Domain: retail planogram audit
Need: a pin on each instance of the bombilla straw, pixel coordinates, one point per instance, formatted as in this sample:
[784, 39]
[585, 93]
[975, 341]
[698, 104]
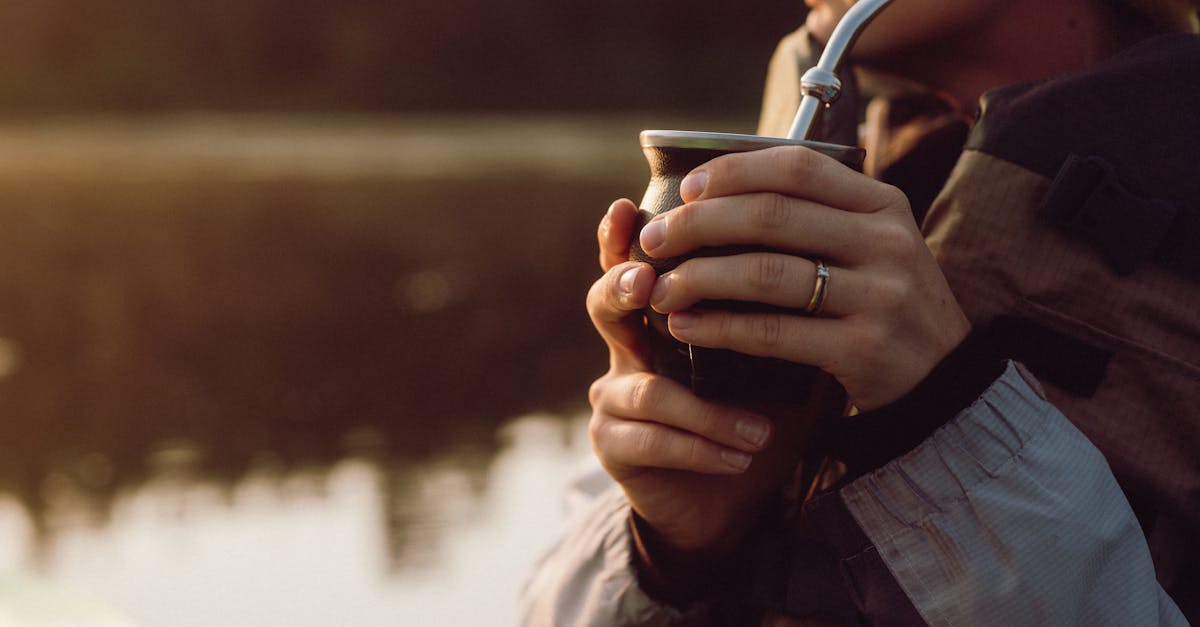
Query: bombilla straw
[819, 85]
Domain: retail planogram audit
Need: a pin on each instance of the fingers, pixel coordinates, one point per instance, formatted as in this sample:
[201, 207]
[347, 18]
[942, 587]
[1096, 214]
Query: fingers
[794, 171]
[632, 444]
[889, 314]
[815, 341]
[876, 358]
[643, 420]
[791, 199]
[615, 303]
[773, 279]
[615, 233]
[778, 222]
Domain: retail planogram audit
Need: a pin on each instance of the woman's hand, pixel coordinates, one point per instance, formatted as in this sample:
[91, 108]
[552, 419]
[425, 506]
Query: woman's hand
[695, 470]
[889, 316]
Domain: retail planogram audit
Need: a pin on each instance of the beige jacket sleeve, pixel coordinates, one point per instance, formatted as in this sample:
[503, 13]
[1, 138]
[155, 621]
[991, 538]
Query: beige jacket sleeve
[586, 577]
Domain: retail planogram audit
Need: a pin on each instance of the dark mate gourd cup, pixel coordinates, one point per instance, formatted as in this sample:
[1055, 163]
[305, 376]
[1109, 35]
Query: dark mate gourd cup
[716, 374]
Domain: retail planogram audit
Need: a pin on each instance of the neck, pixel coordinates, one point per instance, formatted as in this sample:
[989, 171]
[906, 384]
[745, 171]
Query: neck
[1028, 40]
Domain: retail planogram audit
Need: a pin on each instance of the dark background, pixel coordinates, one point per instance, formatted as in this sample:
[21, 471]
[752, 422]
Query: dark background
[384, 55]
[170, 307]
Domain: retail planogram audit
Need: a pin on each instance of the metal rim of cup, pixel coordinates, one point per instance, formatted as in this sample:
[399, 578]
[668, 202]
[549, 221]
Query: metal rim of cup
[733, 142]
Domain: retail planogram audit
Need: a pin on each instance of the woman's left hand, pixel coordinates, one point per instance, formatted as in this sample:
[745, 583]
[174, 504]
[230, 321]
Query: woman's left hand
[888, 317]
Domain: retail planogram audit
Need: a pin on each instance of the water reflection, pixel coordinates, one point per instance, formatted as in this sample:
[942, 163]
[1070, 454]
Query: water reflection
[309, 547]
[245, 387]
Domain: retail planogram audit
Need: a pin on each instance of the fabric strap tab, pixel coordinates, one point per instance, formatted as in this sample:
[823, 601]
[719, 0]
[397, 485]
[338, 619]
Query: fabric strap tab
[1087, 200]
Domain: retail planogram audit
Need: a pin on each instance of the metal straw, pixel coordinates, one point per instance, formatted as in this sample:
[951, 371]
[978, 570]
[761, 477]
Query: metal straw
[819, 85]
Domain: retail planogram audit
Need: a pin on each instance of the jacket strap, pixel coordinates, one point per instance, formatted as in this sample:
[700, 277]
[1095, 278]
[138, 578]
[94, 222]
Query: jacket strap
[1088, 200]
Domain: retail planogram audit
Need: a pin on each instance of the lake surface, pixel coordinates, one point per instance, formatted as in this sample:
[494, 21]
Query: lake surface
[295, 371]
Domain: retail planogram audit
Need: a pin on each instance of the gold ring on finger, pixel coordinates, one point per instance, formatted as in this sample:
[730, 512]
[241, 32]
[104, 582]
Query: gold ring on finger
[819, 289]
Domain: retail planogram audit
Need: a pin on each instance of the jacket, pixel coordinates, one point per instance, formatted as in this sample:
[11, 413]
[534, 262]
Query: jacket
[1067, 228]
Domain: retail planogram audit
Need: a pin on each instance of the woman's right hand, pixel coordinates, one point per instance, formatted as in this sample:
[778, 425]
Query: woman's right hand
[696, 471]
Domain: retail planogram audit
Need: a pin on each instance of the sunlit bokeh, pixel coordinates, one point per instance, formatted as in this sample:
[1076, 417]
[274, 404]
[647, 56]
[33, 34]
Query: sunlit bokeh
[291, 294]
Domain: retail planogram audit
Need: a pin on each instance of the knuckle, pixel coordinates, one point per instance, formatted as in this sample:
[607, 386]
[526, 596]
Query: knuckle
[708, 421]
[896, 241]
[684, 277]
[722, 327]
[605, 298]
[598, 294]
[683, 219]
[803, 164]
[598, 430]
[649, 443]
[593, 299]
[767, 272]
[696, 453]
[647, 393]
[596, 392]
[892, 196]
[869, 340]
[767, 332]
[612, 278]
[891, 294]
[723, 168]
[883, 196]
[770, 213]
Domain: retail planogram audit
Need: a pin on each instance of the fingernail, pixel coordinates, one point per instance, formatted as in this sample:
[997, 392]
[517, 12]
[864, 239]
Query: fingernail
[683, 320]
[653, 235]
[693, 185]
[752, 431]
[659, 293]
[627, 282]
[736, 459]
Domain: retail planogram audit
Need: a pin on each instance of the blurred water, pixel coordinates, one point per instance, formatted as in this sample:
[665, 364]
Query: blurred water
[312, 547]
[266, 371]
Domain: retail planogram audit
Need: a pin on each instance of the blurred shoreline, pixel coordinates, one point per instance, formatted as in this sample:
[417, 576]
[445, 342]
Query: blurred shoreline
[205, 304]
[292, 325]
[253, 147]
[229, 287]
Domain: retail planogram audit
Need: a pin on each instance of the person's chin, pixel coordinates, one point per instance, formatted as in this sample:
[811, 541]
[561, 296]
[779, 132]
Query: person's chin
[821, 21]
[823, 16]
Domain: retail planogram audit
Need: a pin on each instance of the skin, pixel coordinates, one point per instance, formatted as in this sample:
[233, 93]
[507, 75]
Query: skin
[683, 462]
[965, 47]
[889, 320]
[695, 470]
